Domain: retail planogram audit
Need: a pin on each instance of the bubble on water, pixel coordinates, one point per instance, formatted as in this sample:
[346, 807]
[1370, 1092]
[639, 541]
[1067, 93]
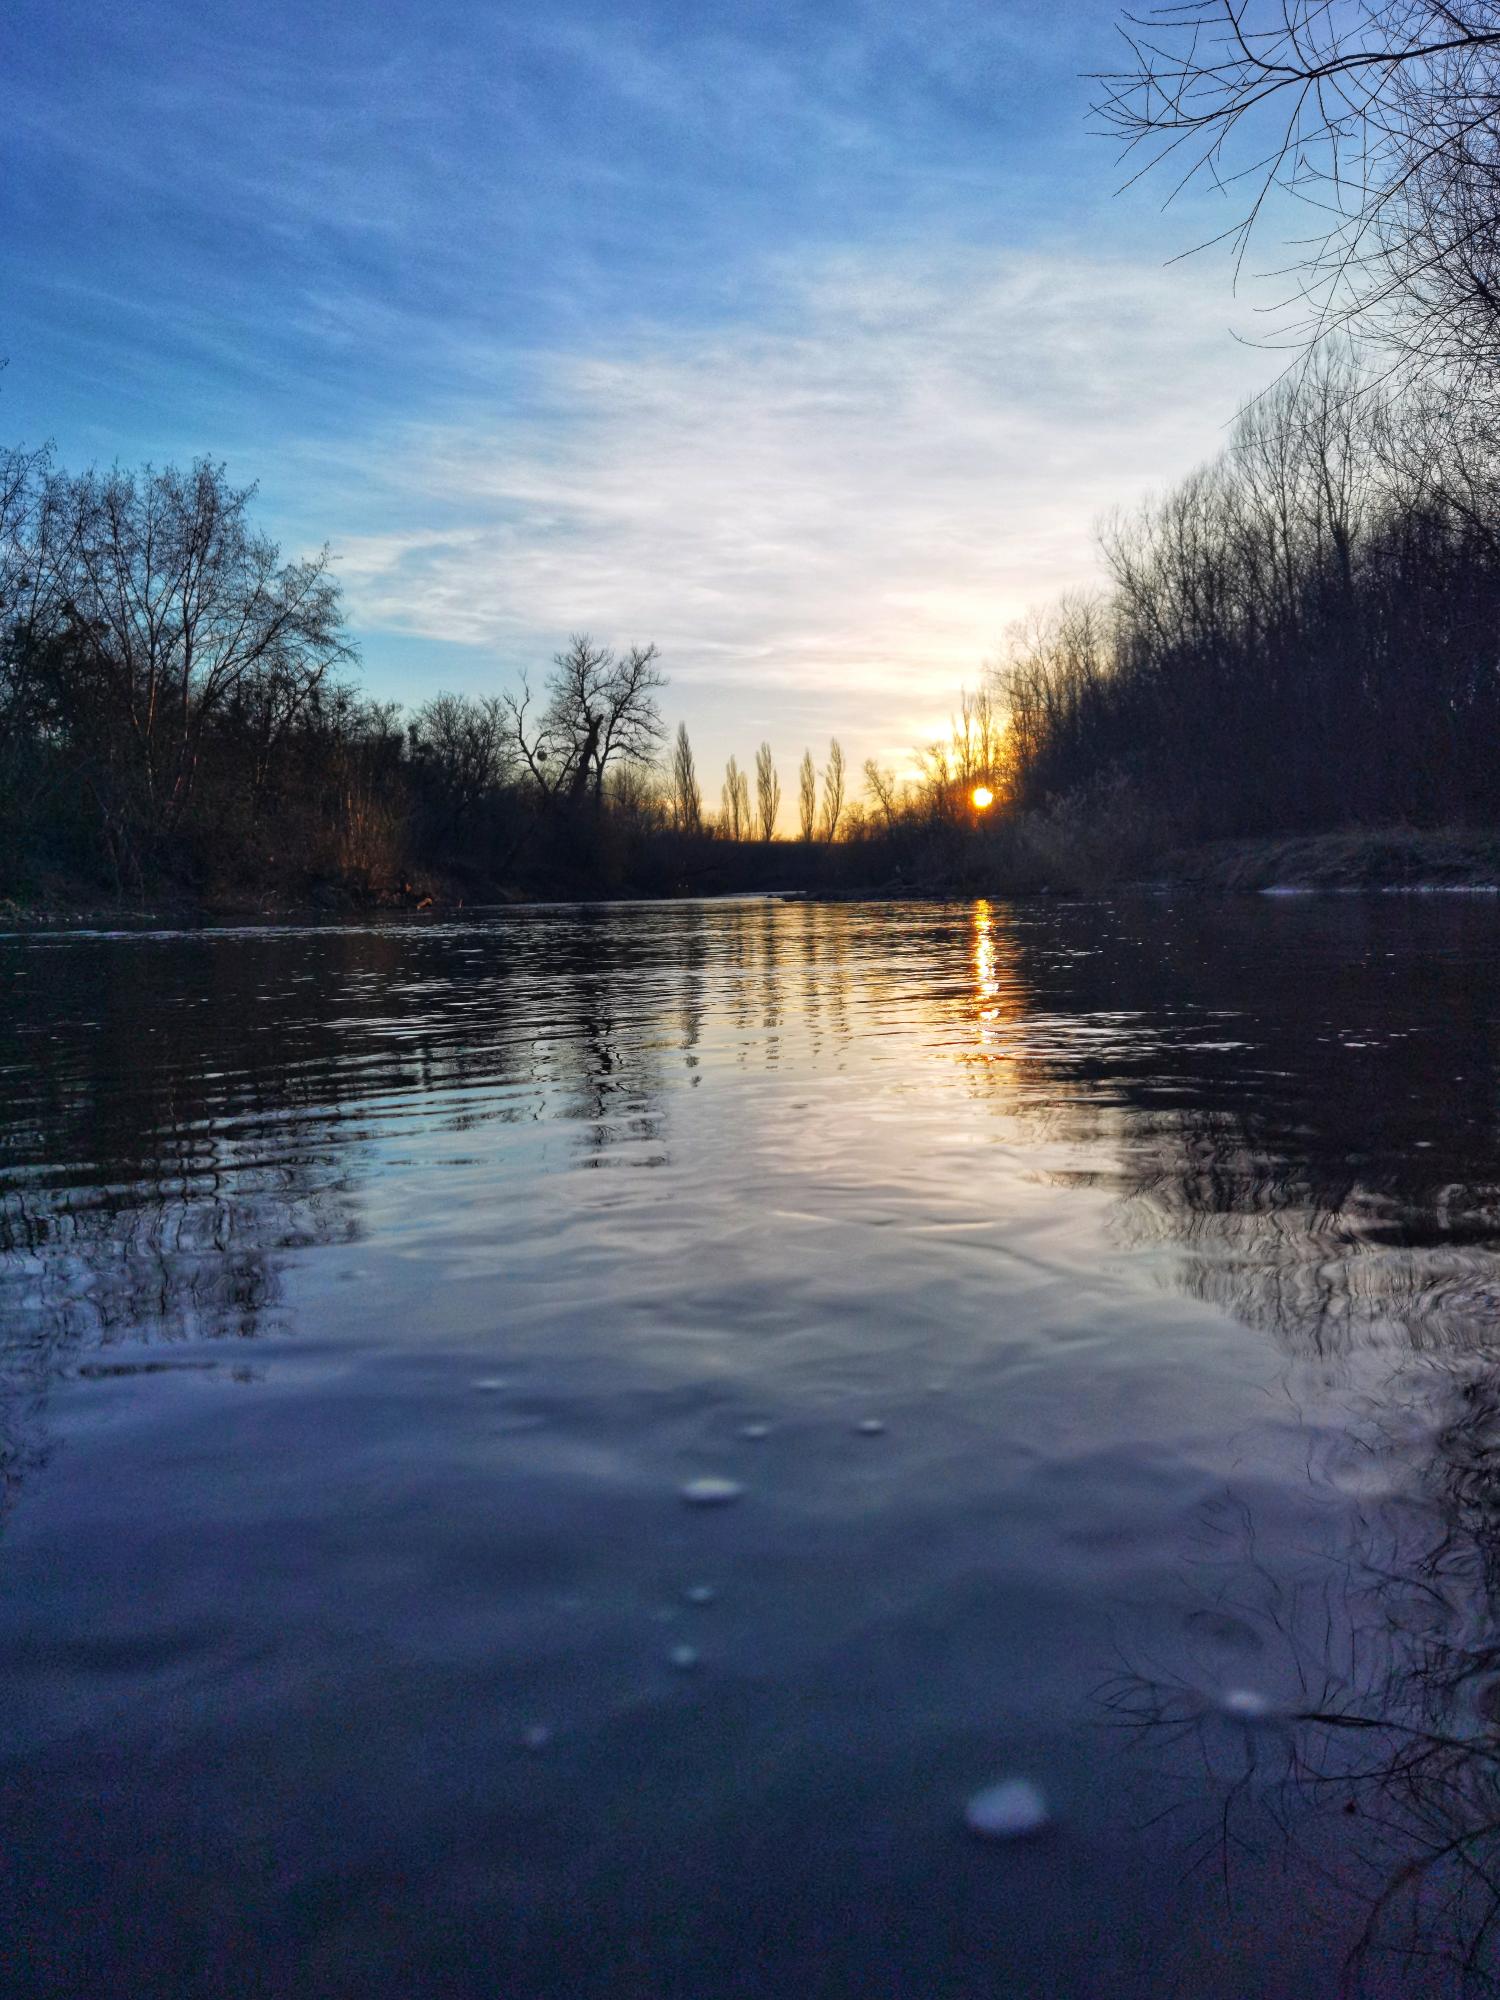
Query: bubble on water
[1008, 1810]
[711, 1491]
[755, 1431]
[700, 1593]
[684, 1658]
[1245, 1704]
[870, 1427]
[537, 1737]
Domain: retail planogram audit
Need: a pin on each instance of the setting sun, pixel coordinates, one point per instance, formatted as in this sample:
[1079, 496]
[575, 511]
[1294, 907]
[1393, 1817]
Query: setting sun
[982, 798]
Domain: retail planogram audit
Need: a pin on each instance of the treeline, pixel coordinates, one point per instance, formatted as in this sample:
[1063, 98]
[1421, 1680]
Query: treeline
[1302, 638]
[1305, 635]
[171, 692]
[179, 714]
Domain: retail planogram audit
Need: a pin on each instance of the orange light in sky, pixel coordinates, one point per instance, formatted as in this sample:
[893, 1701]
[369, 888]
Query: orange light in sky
[982, 797]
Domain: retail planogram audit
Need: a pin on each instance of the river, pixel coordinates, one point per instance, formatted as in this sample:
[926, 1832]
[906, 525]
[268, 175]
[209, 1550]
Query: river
[1091, 1309]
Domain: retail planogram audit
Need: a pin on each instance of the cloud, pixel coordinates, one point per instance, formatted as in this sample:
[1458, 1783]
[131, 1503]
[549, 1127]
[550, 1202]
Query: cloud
[833, 510]
[782, 337]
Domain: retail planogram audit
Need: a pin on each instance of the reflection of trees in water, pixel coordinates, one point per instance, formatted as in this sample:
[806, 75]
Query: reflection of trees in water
[820, 937]
[183, 1119]
[1320, 1255]
[1309, 1145]
[1381, 1770]
[199, 1259]
[184, 1116]
[167, 1146]
[196, 1261]
[607, 1003]
[1287, 1217]
[1314, 1138]
[172, 1139]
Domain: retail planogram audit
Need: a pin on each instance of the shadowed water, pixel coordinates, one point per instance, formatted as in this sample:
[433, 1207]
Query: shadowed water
[1096, 1305]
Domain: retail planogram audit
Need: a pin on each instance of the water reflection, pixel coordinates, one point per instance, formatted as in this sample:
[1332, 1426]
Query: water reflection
[187, 1116]
[875, 1156]
[1329, 1179]
[1276, 1151]
[1337, 1713]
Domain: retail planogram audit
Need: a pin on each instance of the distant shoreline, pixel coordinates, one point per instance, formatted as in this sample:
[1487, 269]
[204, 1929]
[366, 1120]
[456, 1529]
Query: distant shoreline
[1365, 861]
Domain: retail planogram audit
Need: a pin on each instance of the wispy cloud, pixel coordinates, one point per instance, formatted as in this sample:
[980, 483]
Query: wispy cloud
[829, 513]
[766, 332]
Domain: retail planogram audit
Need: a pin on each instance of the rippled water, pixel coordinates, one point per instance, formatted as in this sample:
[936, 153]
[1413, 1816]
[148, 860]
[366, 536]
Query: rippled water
[1096, 1304]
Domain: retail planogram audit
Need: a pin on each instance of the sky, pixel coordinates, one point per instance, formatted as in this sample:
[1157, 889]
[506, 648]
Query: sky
[809, 340]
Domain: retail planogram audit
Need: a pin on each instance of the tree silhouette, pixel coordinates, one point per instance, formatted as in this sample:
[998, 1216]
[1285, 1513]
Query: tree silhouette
[807, 796]
[833, 791]
[767, 792]
[1380, 122]
[687, 799]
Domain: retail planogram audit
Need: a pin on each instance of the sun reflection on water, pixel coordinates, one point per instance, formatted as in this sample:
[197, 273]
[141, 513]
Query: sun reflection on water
[985, 956]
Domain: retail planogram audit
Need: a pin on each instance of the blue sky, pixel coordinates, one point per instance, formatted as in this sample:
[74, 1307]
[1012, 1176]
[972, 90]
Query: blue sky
[809, 340]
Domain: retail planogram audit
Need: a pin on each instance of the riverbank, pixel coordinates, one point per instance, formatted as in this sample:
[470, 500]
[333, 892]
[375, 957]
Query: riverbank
[666, 867]
[1370, 860]
[1040, 858]
[1361, 858]
[66, 907]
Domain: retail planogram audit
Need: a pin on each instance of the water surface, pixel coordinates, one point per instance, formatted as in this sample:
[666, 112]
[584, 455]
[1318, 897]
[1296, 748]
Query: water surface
[1097, 1305]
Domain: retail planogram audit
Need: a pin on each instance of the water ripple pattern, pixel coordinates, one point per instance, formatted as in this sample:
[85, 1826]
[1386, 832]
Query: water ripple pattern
[560, 1452]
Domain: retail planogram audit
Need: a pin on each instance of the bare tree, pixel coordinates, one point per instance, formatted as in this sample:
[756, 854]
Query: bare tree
[547, 758]
[833, 790]
[767, 791]
[32, 554]
[604, 709]
[462, 803]
[977, 730]
[601, 712]
[687, 799]
[175, 612]
[33, 589]
[638, 796]
[1381, 120]
[881, 786]
[464, 744]
[734, 800]
[1299, 636]
[807, 796]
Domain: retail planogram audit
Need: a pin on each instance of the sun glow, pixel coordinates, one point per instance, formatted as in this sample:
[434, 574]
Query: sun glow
[982, 798]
